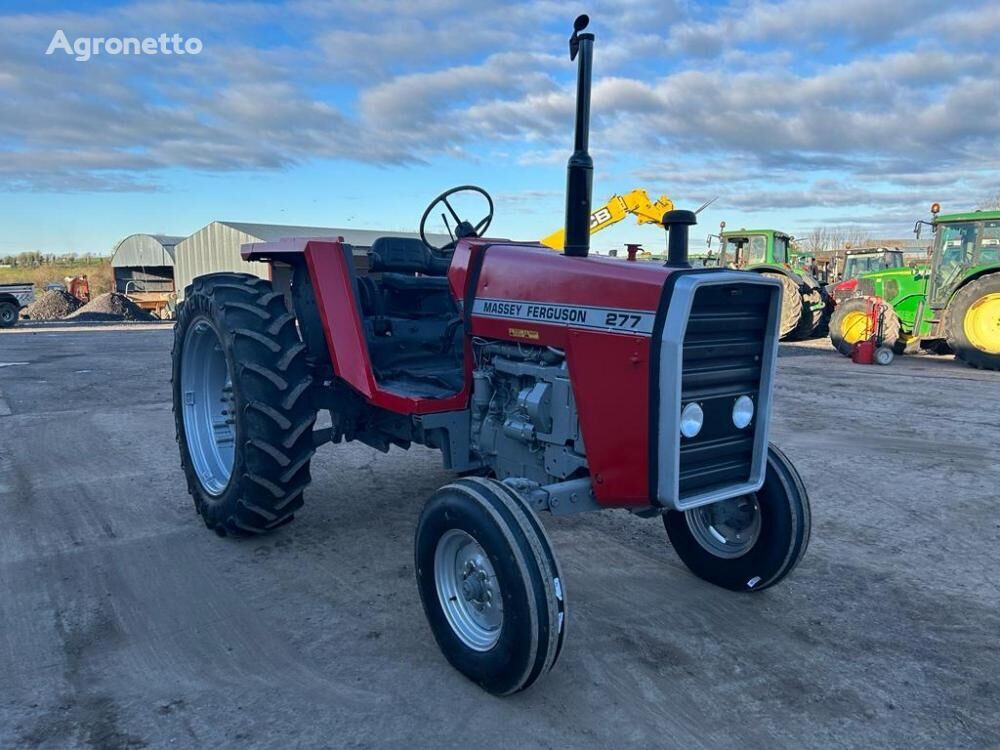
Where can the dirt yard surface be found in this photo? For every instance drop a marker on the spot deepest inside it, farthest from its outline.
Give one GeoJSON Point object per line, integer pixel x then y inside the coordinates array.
{"type": "Point", "coordinates": [125, 623]}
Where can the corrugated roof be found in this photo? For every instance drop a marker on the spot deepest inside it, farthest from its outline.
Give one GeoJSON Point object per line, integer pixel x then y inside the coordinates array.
{"type": "Point", "coordinates": [138, 250]}
{"type": "Point", "coordinates": [361, 237]}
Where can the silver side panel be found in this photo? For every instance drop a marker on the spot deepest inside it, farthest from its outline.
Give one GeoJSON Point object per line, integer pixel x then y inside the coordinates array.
{"type": "Point", "coordinates": [671, 364]}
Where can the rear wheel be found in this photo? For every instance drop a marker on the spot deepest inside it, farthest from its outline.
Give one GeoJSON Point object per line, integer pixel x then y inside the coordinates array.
{"type": "Point", "coordinates": [812, 319]}
{"type": "Point", "coordinates": [973, 323]}
{"type": "Point", "coordinates": [751, 542]}
{"type": "Point", "coordinates": [791, 304]}
{"type": "Point", "coordinates": [242, 404]}
{"type": "Point", "coordinates": [490, 585]}
{"type": "Point", "coordinates": [8, 314]}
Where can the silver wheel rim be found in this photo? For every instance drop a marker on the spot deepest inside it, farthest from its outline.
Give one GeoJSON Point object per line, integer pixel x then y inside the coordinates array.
{"type": "Point", "coordinates": [209, 407]}
{"type": "Point", "coordinates": [468, 590]}
{"type": "Point", "coordinates": [726, 529]}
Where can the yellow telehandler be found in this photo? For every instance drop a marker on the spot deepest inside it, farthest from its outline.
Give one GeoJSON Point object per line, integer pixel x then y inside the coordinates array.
{"type": "Point", "coordinates": [636, 202]}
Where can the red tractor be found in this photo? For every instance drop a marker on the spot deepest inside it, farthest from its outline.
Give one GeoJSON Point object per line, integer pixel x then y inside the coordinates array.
{"type": "Point", "coordinates": [549, 382]}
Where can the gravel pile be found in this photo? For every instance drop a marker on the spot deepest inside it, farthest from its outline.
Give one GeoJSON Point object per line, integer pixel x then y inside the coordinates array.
{"type": "Point", "coordinates": [54, 304]}
{"type": "Point", "coordinates": [110, 306]}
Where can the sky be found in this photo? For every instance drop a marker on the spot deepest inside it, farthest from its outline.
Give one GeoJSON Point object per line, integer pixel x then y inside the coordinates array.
{"type": "Point", "coordinates": [793, 114]}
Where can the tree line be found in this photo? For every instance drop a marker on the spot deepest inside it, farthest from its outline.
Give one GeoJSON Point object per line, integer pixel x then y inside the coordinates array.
{"type": "Point", "coordinates": [34, 259]}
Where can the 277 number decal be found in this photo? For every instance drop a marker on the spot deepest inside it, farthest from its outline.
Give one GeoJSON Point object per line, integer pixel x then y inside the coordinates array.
{"type": "Point", "coordinates": [622, 320]}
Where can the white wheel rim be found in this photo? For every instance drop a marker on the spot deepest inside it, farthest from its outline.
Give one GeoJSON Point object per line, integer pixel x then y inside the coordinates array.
{"type": "Point", "coordinates": [468, 590]}
{"type": "Point", "coordinates": [726, 529]}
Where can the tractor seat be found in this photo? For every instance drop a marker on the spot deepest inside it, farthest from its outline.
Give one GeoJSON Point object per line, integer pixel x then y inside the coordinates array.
{"type": "Point", "coordinates": [405, 255]}
{"type": "Point", "coordinates": [402, 282]}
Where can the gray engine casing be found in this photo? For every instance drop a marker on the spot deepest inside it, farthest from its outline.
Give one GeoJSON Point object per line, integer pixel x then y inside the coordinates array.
{"type": "Point", "coordinates": [524, 419]}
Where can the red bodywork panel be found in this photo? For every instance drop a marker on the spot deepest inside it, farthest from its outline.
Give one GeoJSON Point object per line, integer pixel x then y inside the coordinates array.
{"type": "Point", "coordinates": [609, 369]}
{"type": "Point", "coordinates": [607, 344]}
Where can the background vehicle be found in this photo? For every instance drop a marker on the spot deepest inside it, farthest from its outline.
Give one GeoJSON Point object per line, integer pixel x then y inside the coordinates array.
{"type": "Point", "coordinates": [12, 298]}
{"type": "Point", "coordinates": [635, 202]}
{"type": "Point", "coordinates": [869, 260]}
{"type": "Point", "coordinates": [954, 305]}
{"type": "Point", "coordinates": [500, 354]}
{"type": "Point", "coordinates": [805, 306]}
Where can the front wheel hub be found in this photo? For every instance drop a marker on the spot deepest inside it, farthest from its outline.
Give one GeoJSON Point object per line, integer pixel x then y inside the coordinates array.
{"type": "Point", "coordinates": [726, 529]}
{"type": "Point", "coordinates": [468, 590]}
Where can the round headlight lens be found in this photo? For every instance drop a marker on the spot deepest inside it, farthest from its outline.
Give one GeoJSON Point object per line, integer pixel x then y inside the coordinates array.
{"type": "Point", "coordinates": [692, 418]}
{"type": "Point", "coordinates": [742, 412]}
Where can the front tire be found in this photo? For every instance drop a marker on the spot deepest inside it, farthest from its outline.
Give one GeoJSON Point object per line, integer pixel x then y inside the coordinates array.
{"type": "Point", "coordinates": [490, 585]}
{"type": "Point", "coordinates": [243, 406]}
{"type": "Point", "coordinates": [748, 543]}
{"type": "Point", "coordinates": [850, 324]}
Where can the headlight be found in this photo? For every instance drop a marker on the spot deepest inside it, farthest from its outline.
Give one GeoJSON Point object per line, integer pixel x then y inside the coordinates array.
{"type": "Point", "coordinates": [742, 412]}
{"type": "Point", "coordinates": [692, 418]}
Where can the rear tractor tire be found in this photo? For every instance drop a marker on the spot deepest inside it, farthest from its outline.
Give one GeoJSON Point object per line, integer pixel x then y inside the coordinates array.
{"type": "Point", "coordinates": [850, 323]}
{"type": "Point", "coordinates": [490, 584]}
{"type": "Point", "coordinates": [972, 323]}
{"type": "Point", "coordinates": [747, 543]}
{"type": "Point", "coordinates": [791, 305]}
{"type": "Point", "coordinates": [243, 407]}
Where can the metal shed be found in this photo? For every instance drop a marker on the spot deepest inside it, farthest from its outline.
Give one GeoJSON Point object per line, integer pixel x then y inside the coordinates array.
{"type": "Point", "coordinates": [216, 247]}
{"type": "Point", "coordinates": [146, 262]}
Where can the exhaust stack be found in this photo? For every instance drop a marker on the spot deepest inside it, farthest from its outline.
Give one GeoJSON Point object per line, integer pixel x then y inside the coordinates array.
{"type": "Point", "coordinates": [580, 170]}
{"type": "Point", "coordinates": [676, 223]}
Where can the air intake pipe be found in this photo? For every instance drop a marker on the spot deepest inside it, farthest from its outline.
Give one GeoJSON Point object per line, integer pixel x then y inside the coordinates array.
{"type": "Point", "coordinates": [580, 170]}
{"type": "Point", "coordinates": [676, 223]}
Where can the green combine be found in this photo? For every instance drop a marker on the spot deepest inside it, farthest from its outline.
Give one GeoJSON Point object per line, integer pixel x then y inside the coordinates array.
{"type": "Point", "coordinates": [805, 305]}
{"type": "Point", "coordinates": [951, 306]}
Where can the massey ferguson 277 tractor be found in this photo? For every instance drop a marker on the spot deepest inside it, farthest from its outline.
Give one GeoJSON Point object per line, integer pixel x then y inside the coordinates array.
{"type": "Point", "coordinates": [549, 382]}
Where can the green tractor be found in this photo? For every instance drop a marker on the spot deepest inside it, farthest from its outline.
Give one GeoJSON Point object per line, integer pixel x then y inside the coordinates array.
{"type": "Point", "coordinates": [805, 305]}
{"type": "Point", "coordinates": [865, 260]}
{"type": "Point", "coordinates": [952, 306]}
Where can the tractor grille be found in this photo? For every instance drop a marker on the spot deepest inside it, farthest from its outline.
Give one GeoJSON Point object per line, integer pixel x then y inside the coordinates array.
{"type": "Point", "coordinates": [722, 359]}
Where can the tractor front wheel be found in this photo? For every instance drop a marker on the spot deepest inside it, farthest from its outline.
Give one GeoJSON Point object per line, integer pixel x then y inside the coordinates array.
{"type": "Point", "coordinates": [490, 584]}
{"type": "Point", "coordinates": [973, 323]}
{"type": "Point", "coordinates": [243, 405]}
{"type": "Point", "coordinates": [751, 542]}
{"type": "Point", "coordinates": [851, 323]}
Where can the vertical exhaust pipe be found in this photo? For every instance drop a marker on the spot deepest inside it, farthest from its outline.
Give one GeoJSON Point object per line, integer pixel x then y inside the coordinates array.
{"type": "Point", "coordinates": [676, 223]}
{"type": "Point", "coordinates": [580, 170]}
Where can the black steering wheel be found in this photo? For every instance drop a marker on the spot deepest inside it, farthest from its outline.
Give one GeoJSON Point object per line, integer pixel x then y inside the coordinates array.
{"type": "Point", "coordinates": [462, 228]}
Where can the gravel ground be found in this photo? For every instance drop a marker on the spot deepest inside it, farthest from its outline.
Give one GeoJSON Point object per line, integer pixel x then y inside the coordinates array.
{"type": "Point", "coordinates": [110, 307]}
{"type": "Point", "coordinates": [52, 305]}
{"type": "Point", "coordinates": [124, 623]}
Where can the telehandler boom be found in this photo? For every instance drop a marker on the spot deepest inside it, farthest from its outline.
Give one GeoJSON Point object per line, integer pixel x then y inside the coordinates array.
{"type": "Point", "coordinates": [635, 202]}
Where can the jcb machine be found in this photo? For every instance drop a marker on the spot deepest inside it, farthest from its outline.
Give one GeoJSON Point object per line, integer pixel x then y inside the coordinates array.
{"type": "Point", "coordinates": [501, 355]}
{"type": "Point", "coordinates": [635, 202]}
{"type": "Point", "coordinates": [805, 306]}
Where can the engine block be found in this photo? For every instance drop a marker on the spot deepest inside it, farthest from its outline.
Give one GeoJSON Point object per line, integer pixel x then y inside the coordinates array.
{"type": "Point", "coordinates": [524, 419]}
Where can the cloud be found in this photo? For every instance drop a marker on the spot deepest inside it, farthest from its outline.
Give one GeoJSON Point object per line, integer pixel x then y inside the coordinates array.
{"type": "Point", "coordinates": [762, 103]}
